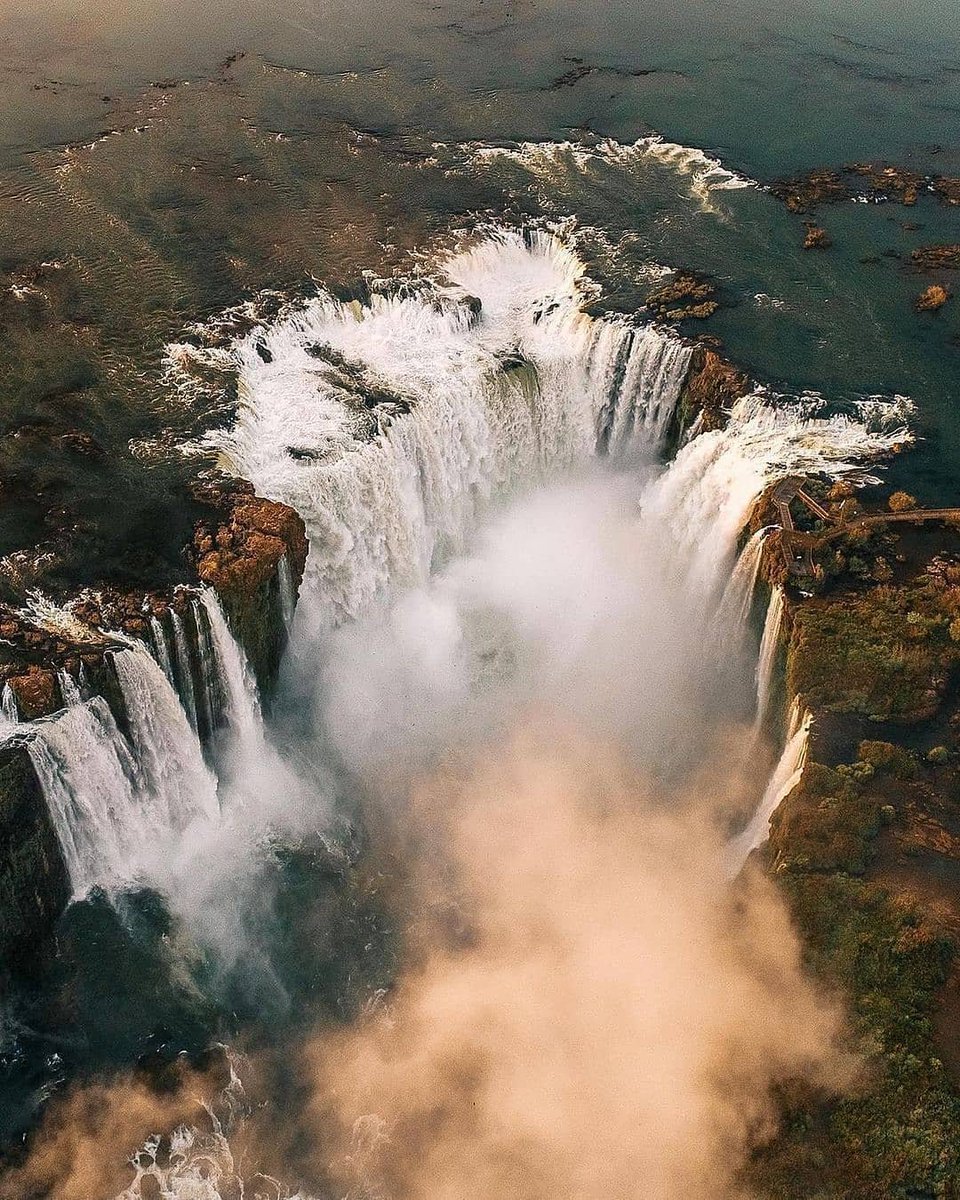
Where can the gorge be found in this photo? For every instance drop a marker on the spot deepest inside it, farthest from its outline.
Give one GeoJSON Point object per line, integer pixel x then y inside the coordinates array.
{"type": "Point", "coordinates": [479, 602]}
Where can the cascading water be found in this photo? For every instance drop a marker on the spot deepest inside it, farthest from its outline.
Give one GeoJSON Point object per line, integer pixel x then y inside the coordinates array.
{"type": "Point", "coordinates": [162, 649]}
{"type": "Point", "coordinates": [288, 593]}
{"type": "Point", "coordinates": [184, 670]}
{"type": "Point", "coordinates": [767, 660]}
{"type": "Point", "coordinates": [704, 497]}
{"type": "Point", "coordinates": [229, 675]}
{"type": "Point", "coordinates": [389, 427]}
{"type": "Point", "coordinates": [737, 602]}
{"type": "Point", "coordinates": [118, 805]}
{"type": "Point", "coordinates": [9, 709]}
{"type": "Point", "coordinates": [785, 777]}
{"type": "Point", "coordinates": [69, 689]}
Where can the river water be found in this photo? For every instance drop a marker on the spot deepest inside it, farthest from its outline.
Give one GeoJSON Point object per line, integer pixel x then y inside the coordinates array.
{"type": "Point", "coordinates": [502, 563]}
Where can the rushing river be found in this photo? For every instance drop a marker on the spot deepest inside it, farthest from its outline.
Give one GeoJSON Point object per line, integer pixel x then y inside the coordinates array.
{"type": "Point", "coordinates": [456, 911]}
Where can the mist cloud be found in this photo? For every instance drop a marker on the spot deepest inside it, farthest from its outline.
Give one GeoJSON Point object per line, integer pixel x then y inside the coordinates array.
{"type": "Point", "coordinates": [593, 1011]}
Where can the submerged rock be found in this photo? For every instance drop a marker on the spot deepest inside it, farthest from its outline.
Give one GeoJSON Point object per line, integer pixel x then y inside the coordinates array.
{"type": "Point", "coordinates": [937, 258]}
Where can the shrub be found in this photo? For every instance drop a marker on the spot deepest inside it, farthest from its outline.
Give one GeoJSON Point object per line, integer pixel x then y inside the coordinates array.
{"type": "Point", "coordinates": [901, 502]}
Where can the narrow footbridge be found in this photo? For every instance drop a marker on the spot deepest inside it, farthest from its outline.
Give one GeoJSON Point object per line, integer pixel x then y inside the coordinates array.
{"type": "Point", "coordinates": [798, 547]}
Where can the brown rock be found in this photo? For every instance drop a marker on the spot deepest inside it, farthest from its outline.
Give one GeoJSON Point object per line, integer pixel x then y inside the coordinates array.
{"type": "Point", "coordinates": [803, 192]}
{"type": "Point", "coordinates": [945, 257]}
{"type": "Point", "coordinates": [712, 388]}
{"type": "Point", "coordinates": [687, 295]}
{"type": "Point", "coordinates": [933, 298]}
{"type": "Point", "coordinates": [816, 238]}
{"type": "Point", "coordinates": [948, 189]}
{"type": "Point", "coordinates": [37, 693]}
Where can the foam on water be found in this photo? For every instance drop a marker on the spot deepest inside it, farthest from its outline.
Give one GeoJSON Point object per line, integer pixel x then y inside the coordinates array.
{"type": "Point", "coordinates": [702, 174]}
{"type": "Point", "coordinates": [468, 401]}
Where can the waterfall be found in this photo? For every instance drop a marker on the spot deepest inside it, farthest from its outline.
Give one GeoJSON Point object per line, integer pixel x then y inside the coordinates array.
{"type": "Point", "coordinates": [69, 689]}
{"type": "Point", "coordinates": [737, 601]}
{"type": "Point", "coordinates": [184, 672]}
{"type": "Point", "coordinates": [288, 593]}
{"type": "Point", "coordinates": [390, 426]}
{"type": "Point", "coordinates": [767, 660]}
{"type": "Point", "coordinates": [118, 806]}
{"type": "Point", "coordinates": [9, 708]}
{"type": "Point", "coordinates": [703, 499]}
{"type": "Point", "coordinates": [159, 637]}
{"type": "Point", "coordinates": [167, 750]}
{"type": "Point", "coordinates": [785, 777]}
{"type": "Point", "coordinates": [231, 676]}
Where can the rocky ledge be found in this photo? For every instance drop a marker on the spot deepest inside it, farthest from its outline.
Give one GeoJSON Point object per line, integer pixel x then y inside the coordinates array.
{"type": "Point", "coordinates": [866, 849]}
{"type": "Point", "coordinates": [712, 387]}
{"type": "Point", "coordinates": [238, 549]}
{"type": "Point", "coordinates": [242, 551]}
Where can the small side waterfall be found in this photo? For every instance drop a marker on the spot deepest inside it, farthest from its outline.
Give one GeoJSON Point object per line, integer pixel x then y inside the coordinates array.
{"type": "Point", "coordinates": [737, 601]}
{"type": "Point", "coordinates": [9, 708]}
{"type": "Point", "coordinates": [184, 670]}
{"type": "Point", "coordinates": [288, 593]}
{"type": "Point", "coordinates": [162, 650]}
{"type": "Point", "coordinates": [767, 660]}
{"type": "Point", "coordinates": [69, 689]}
{"type": "Point", "coordinates": [785, 777]}
{"type": "Point", "coordinates": [168, 753]}
{"type": "Point", "coordinates": [230, 675]}
{"type": "Point", "coordinates": [116, 805]}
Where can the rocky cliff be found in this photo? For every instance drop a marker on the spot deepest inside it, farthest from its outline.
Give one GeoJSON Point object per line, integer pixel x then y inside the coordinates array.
{"type": "Point", "coordinates": [237, 550]}
{"type": "Point", "coordinates": [33, 876]}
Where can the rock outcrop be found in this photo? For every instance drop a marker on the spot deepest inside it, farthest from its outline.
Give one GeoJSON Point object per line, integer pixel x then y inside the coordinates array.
{"type": "Point", "coordinates": [238, 552]}
{"type": "Point", "coordinates": [686, 296]}
{"type": "Point", "coordinates": [712, 387]}
{"type": "Point", "coordinates": [862, 181]}
{"type": "Point", "coordinates": [816, 238]}
{"type": "Point", "coordinates": [33, 877]}
{"type": "Point", "coordinates": [944, 257]}
{"type": "Point", "coordinates": [932, 298]}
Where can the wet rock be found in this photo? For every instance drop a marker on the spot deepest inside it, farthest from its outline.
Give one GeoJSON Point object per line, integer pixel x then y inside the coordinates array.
{"type": "Point", "coordinates": [712, 387]}
{"type": "Point", "coordinates": [83, 444]}
{"type": "Point", "coordinates": [947, 188]}
{"type": "Point", "coordinates": [932, 298]}
{"type": "Point", "coordinates": [237, 552]}
{"type": "Point", "coordinates": [33, 877]}
{"type": "Point", "coordinates": [889, 183]}
{"type": "Point", "coordinates": [874, 182]}
{"type": "Point", "coordinates": [804, 192]}
{"type": "Point", "coordinates": [816, 238]}
{"type": "Point", "coordinates": [687, 295]}
{"type": "Point", "coordinates": [937, 258]}
{"type": "Point", "coordinates": [37, 692]}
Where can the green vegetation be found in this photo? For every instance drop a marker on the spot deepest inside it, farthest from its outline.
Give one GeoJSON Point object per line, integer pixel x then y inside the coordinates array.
{"type": "Point", "coordinates": [895, 1134]}
{"type": "Point", "coordinates": [885, 653]}
{"type": "Point", "coordinates": [865, 856]}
